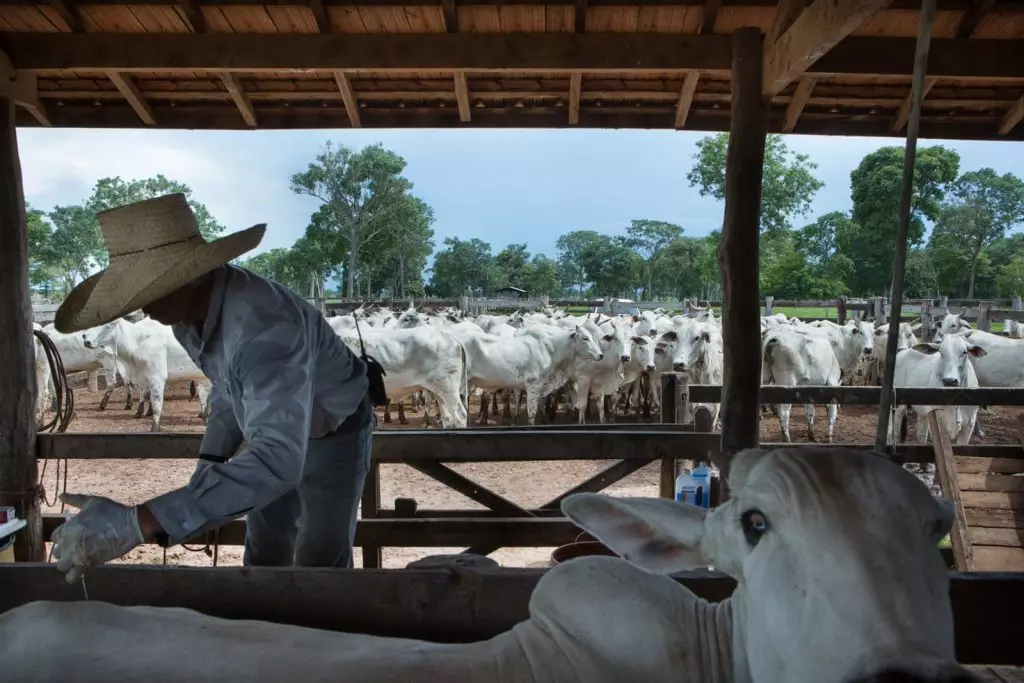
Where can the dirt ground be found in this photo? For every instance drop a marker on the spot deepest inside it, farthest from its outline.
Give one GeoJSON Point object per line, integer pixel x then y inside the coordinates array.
{"type": "Point", "coordinates": [529, 484]}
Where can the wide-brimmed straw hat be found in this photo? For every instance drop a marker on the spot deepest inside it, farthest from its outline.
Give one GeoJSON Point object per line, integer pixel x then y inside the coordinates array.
{"type": "Point", "coordinates": [155, 247]}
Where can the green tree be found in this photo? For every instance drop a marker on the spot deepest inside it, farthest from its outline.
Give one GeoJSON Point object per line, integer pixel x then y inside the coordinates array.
{"type": "Point", "coordinates": [512, 266]}
{"type": "Point", "coordinates": [542, 276]}
{"type": "Point", "coordinates": [463, 267]}
{"type": "Point", "coordinates": [571, 247]}
{"type": "Point", "coordinates": [41, 274]}
{"type": "Point", "coordinates": [822, 242]}
{"type": "Point", "coordinates": [986, 206]}
{"type": "Point", "coordinates": [360, 192]}
{"type": "Point", "coordinates": [75, 248]}
{"type": "Point", "coordinates": [649, 239]}
{"type": "Point", "coordinates": [875, 185]}
{"type": "Point", "coordinates": [110, 193]}
{"type": "Point", "coordinates": [610, 265]}
{"type": "Point", "coordinates": [1010, 281]}
{"type": "Point", "coordinates": [788, 184]}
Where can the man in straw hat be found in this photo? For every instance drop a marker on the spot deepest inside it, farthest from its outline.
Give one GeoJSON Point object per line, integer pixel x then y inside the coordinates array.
{"type": "Point", "coordinates": [282, 380]}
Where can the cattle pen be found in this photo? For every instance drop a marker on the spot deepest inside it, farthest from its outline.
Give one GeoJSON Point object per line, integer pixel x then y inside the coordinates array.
{"type": "Point", "coordinates": [939, 69]}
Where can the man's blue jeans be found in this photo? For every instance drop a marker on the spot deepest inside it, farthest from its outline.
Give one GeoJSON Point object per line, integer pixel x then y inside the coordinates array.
{"type": "Point", "coordinates": [314, 524]}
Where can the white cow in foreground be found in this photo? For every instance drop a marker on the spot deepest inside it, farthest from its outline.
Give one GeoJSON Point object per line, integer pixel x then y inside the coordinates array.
{"type": "Point", "coordinates": [946, 364]}
{"type": "Point", "coordinates": [829, 590]}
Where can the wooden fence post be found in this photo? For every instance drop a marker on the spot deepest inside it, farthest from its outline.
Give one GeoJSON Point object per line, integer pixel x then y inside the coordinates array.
{"type": "Point", "coordinates": [768, 301]}
{"type": "Point", "coordinates": [18, 471]}
{"type": "Point", "coordinates": [879, 310]}
{"type": "Point", "coordinates": [944, 304]}
{"type": "Point", "coordinates": [983, 323]}
{"type": "Point", "coordinates": [926, 320]}
{"type": "Point", "coordinates": [841, 310]}
{"type": "Point", "coordinates": [1015, 303]}
{"type": "Point", "coordinates": [675, 408]}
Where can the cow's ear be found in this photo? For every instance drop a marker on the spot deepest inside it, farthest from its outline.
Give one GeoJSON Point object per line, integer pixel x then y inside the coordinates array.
{"type": "Point", "coordinates": [926, 348]}
{"type": "Point", "coordinates": [976, 351]}
{"type": "Point", "coordinates": [655, 534]}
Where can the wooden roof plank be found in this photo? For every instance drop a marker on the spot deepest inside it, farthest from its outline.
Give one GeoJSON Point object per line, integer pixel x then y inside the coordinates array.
{"type": "Point", "coordinates": [68, 14]}
{"type": "Point", "coordinates": [709, 15]}
{"type": "Point", "coordinates": [1013, 117]}
{"type": "Point", "coordinates": [971, 19]}
{"type": "Point", "coordinates": [135, 98]}
{"type": "Point", "coordinates": [816, 31]}
{"type": "Point", "coordinates": [240, 99]}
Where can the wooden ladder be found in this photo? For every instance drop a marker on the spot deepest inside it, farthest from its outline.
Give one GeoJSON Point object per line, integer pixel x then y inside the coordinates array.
{"type": "Point", "coordinates": [988, 493]}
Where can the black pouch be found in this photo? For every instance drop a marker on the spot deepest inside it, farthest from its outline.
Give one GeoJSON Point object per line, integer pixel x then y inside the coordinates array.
{"type": "Point", "coordinates": [374, 373]}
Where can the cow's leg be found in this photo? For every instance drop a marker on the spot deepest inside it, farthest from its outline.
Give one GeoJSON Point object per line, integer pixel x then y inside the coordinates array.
{"type": "Point", "coordinates": [107, 391]}
{"type": "Point", "coordinates": [387, 412]}
{"type": "Point", "coordinates": [401, 412]}
{"type": "Point", "coordinates": [518, 394]}
{"type": "Point", "coordinates": [784, 421]}
{"type": "Point", "coordinates": [485, 401]}
{"type": "Point", "coordinates": [923, 428]}
{"type": "Point", "coordinates": [128, 395]}
{"type": "Point", "coordinates": [143, 397]}
{"type": "Point", "coordinates": [583, 399]}
{"type": "Point", "coordinates": [506, 396]}
{"type": "Point", "coordinates": [156, 401]}
{"type": "Point", "coordinates": [833, 414]}
{"type": "Point", "coordinates": [809, 410]}
{"type": "Point", "coordinates": [532, 403]}
{"type": "Point", "coordinates": [494, 402]}
{"type": "Point", "coordinates": [978, 430]}
{"type": "Point", "coordinates": [192, 391]}
{"type": "Point", "coordinates": [963, 437]}
{"type": "Point", "coordinates": [600, 409]}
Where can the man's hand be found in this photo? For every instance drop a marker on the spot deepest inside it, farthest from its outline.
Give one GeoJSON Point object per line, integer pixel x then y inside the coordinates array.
{"type": "Point", "coordinates": [102, 531]}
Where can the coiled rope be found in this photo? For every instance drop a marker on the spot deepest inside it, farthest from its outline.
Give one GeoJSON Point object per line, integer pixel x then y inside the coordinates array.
{"type": "Point", "coordinates": [62, 388]}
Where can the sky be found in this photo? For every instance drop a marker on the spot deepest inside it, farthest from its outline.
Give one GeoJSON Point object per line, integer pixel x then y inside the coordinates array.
{"type": "Point", "coordinates": [503, 186]}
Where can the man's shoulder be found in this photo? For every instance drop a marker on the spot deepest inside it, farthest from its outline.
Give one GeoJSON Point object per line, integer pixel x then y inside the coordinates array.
{"type": "Point", "coordinates": [245, 288]}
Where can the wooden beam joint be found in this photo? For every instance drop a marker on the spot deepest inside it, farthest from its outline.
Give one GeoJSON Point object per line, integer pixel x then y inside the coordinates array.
{"type": "Point", "coordinates": [348, 96]}
{"type": "Point", "coordinates": [130, 91]}
{"type": "Point", "coordinates": [193, 16]}
{"type": "Point", "coordinates": [686, 94]}
{"type": "Point", "coordinates": [451, 16]}
{"type": "Point", "coordinates": [23, 89]}
{"type": "Point", "coordinates": [1012, 117]}
{"type": "Point", "coordinates": [462, 96]}
{"type": "Point", "coordinates": [804, 88]}
{"type": "Point", "coordinates": [903, 113]}
{"type": "Point", "coordinates": [575, 92]}
{"type": "Point", "coordinates": [323, 19]}
{"type": "Point", "coordinates": [237, 93]}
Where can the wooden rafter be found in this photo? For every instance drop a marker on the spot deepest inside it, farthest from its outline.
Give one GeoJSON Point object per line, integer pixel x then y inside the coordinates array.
{"type": "Point", "coordinates": [69, 14]}
{"type": "Point", "coordinates": [580, 15]}
{"type": "Point", "coordinates": [970, 20]}
{"type": "Point", "coordinates": [349, 97]}
{"type": "Point", "coordinates": [903, 113]}
{"type": "Point", "coordinates": [323, 19]}
{"type": "Point", "coordinates": [804, 88]}
{"type": "Point", "coordinates": [575, 91]}
{"type": "Point", "coordinates": [709, 15]}
{"type": "Point", "coordinates": [451, 16]}
{"type": "Point", "coordinates": [785, 14]}
{"type": "Point", "coordinates": [23, 89]}
{"type": "Point", "coordinates": [818, 28]}
{"type": "Point", "coordinates": [1012, 117]}
{"type": "Point", "coordinates": [241, 100]}
{"type": "Point", "coordinates": [135, 98]}
{"type": "Point", "coordinates": [462, 96]}
{"type": "Point", "coordinates": [193, 15]}
{"type": "Point", "coordinates": [686, 94]}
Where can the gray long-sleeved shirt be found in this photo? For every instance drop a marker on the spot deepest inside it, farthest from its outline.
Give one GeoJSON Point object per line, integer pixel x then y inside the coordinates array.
{"type": "Point", "coordinates": [280, 377]}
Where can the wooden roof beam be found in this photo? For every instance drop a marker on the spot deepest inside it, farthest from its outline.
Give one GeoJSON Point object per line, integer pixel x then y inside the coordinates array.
{"type": "Point", "coordinates": [451, 16]}
{"type": "Point", "coordinates": [194, 16]}
{"type": "Point", "coordinates": [580, 15]}
{"type": "Point", "coordinates": [686, 94]}
{"type": "Point", "coordinates": [785, 14]}
{"type": "Point", "coordinates": [69, 14]}
{"type": "Point", "coordinates": [816, 31]}
{"type": "Point", "coordinates": [970, 20]}
{"type": "Point", "coordinates": [234, 87]}
{"type": "Point", "coordinates": [903, 113]}
{"type": "Point", "coordinates": [804, 88]}
{"type": "Point", "coordinates": [323, 19]}
{"type": "Point", "coordinates": [23, 89]}
{"type": "Point", "coordinates": [709, 15]}
{"type": "Point", "coordinates": [462, 96]}
{"type": "Point", "coordinates": [135, 98]}
{"type": "Point", "coordinates": [348, 96]}
{"type": "Point", "coordinates": [575, 91]}
{"type": "Point", "coordinates": [1012, 117]}
{"type": "Point", "coordinates": [590, 53]}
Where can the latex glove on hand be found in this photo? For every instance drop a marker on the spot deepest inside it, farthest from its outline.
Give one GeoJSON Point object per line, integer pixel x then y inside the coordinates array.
{"type": "Point", "coordinates": [104, 530]}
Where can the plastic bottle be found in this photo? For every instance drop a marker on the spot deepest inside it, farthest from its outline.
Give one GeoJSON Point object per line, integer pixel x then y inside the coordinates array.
{"type": "Point", "coordinates": [686, 488]}
{"type": "Point", "coordinates": [701, 476]}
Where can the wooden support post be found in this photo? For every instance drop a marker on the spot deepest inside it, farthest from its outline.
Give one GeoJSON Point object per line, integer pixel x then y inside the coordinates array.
{"type": "Point", "coordinates": [945, 467]}
{"type": "Point", "coordinates": [944, 304]}
{"type": "Point", "coordinates": [369, 508]}
{"type": "Point", "coordinates": [675, 408]}
{"type": "Point", "coordinates": [841, 310]}
{"type": "Point", "coordinates": [1016, 304]}
{"type": "Point", "coordinates": [926, 321]}
{"type": "Point", "coordinates": [878, 309]}
{"type": "Point", "coordinates": [768, 301]}
{"type": "Point", "coordinates": [686, 94]}
{"type": "Point", "coordinates": [1012, 117]}
{"type": "Point", "coordinates": [348, 97]}
{"type": "Point", "coordinates": [983, 323]}
{"type": "Point", "coordinates": [924, 37]}
{"type": "Point", "coordinates": [462, 96]}
{"type": "Point", "coordinates": [18, 472]}
{"type": "Point", "coordinates": [738, 247]}
{"type": "Point", "coordinates": [804, 88]}
{"type": "Point", "coordinates": [575, 89]}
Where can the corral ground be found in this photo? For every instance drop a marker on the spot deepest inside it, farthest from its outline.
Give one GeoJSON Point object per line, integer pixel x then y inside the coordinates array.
{"type": "Point", "coordinates": [529, 483]}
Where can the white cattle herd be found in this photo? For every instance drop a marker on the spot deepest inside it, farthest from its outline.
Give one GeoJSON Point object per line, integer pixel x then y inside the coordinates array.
{"type": "Point", "coordinates": [443, 357]}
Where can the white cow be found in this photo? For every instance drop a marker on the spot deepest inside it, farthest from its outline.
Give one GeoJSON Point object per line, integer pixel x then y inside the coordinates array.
{"type": "Point", "coordinates": [422, 358]}
{"type": "Point", "coordinates": [641, 363]}
{"type": "Point", "coordinates": [76, 358]}
{"type": "Point", "coordinates": [702, 357]}
{"type": "Point", "coordinates": [537, 360]}
{"type": "Point", "coordinates": [951, 323]}
{"type": "Point", "coordinates": [151, 357]}
{"type": "Point", "coordinates": [602, 377]}
{"type": "Point", "coordinates": [1003, 362]}
{"type": "Point", "coordinates": [850, 342]}
{"type": "Point", "coordinates": [791, 359]}
{"type": "Point", "coordinates": [946, 364]}
{"type": "Point", "coordinates": [829, 590]}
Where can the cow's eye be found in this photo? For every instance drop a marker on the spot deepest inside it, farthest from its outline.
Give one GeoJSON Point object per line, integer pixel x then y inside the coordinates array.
{"type": "Point", "coordinates": [607, 337]}
{"type": "Point", "coordinates": [754, 524]}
